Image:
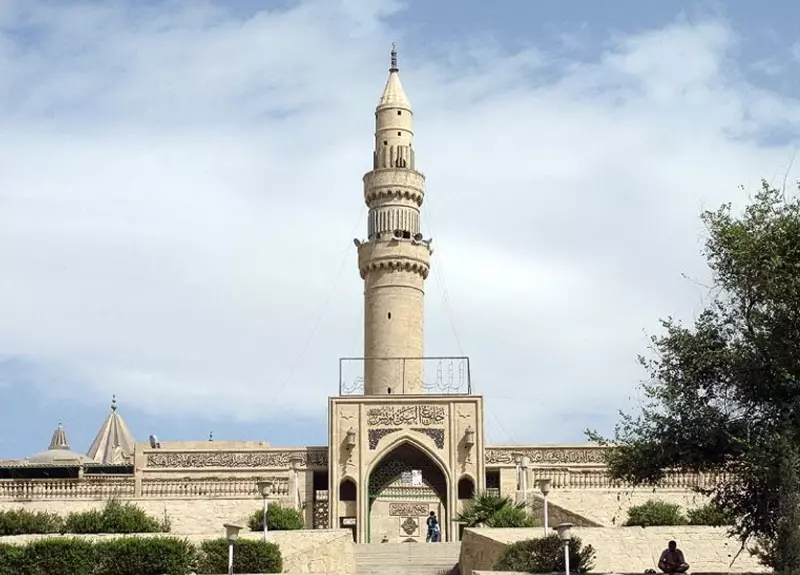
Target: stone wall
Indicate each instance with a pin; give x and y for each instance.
(317, 552)
(186, 516)
(621, 550)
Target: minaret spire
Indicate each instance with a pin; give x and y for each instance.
(395, 260)
(393, 66)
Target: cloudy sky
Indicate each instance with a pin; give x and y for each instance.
(181, 185)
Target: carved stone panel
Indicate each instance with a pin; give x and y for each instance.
(395, 415)
(410, 526)
(437, 435)
(234, 460)
(408, 509)
(548, 455)
(375, 435)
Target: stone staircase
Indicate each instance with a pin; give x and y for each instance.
(406, 558)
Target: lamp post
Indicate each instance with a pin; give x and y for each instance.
(265, 489)
(544, 487)
(231, 534)
(565, 534)
(525, 464)
(294, 462)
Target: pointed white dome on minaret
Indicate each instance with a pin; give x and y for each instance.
(114, 443)
(393, 94)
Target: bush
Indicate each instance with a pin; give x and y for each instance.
(115, 517)
(24, 522)
(58, 557)
(655, 513)
(546, 555)
(710, 515)
(10, 559)
(146, 556)
(278, 519)
(510, 516)
(249, 556)
(484, 507)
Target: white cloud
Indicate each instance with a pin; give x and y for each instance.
(181, 188)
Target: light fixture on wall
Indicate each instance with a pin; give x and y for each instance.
(469, 441)
(231, 534)
(350, 439)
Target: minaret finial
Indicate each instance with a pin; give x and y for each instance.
(394, 67)
(114, 402)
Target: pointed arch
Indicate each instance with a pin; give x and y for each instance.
(407, 439)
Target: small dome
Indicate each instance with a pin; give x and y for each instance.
(58, 452)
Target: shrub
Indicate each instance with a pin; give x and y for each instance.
(711, 515)
(10, 559)
(115, 517)
(546, 555)
(484, 506)
(146, 556)
(24, 522)
(510, 516)
(654, 513)
(58, 557)
(278, 519)
(250, 556)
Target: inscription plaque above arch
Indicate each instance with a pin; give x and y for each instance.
(406, 415)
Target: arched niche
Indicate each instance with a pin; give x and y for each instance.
(403, 487)
(466, 487)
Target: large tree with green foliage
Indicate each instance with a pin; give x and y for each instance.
(723, 395)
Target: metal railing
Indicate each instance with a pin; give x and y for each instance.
(440, 375)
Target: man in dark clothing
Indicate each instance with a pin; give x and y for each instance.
(672, 560)
(433, 528)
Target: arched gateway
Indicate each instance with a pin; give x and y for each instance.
(404, 487)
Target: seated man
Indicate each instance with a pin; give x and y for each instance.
(672, 560)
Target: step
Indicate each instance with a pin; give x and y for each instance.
(406, 558)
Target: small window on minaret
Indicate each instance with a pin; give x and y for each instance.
(389, 315)
(385, 143)
(399, 113)
(399, 133)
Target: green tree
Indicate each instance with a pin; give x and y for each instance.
(655, 513)
(723, 395)
(278, 519)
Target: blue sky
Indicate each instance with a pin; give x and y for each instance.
(182, 185)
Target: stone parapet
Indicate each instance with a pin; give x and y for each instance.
(621, 549)
(316, 552)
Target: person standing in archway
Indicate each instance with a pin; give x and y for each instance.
(434, 532)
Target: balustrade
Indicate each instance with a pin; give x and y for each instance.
(226, 487)
(44, 489)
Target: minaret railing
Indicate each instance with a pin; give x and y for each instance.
(441, 375)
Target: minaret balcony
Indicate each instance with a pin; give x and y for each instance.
(436, 375)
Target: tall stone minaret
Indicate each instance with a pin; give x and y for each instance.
(395, 260)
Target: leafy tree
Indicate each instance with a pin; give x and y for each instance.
(723, 395)
(492, 510)
(654, 513)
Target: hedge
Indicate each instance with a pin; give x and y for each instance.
(654, 513)
(546, 555)
(115, 517)
(137, 556)
(250, 556)
(278, 519)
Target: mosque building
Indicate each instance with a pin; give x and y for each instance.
(405, 436)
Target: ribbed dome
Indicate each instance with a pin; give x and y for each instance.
(58, 453)
(114, 444)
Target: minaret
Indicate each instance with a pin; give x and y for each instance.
(395, 260)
